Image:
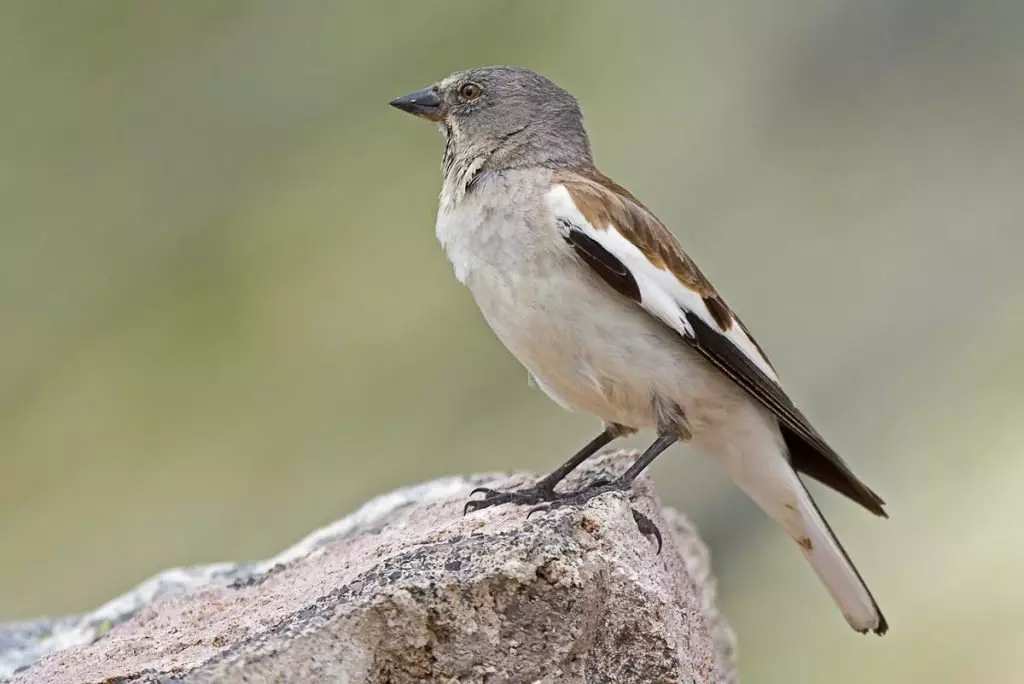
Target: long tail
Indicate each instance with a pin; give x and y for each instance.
(771, 482)
(833, 565)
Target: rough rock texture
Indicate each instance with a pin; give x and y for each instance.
(408, 590)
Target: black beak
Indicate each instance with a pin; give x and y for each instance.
(425, 103)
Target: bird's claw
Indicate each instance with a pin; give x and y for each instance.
(537, 509)
(579, 498)
(494, 497)
(545, 499)
(647, 527)
(643, 523)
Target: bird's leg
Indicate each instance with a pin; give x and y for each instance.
(620, 484)
(672, 427)
(544, 490)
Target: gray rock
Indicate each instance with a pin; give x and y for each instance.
(407, 589)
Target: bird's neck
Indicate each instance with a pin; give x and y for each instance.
(466, 162)
(460, 167)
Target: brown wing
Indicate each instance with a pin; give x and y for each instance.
(605, 204)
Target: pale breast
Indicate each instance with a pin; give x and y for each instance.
(504, 246)
(502, 224)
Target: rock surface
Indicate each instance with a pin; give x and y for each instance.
(407, 589)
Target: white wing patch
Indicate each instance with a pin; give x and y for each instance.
(661, 292)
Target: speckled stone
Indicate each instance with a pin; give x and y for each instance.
(407, 589)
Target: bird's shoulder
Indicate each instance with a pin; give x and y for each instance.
(608, 206)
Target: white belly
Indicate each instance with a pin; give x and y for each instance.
(593, 350)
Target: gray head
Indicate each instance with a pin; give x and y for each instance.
(502, 117)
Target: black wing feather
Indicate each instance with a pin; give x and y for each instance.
(809, 453)
(606, 264)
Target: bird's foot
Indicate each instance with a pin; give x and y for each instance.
(530, 496)
(581, 497)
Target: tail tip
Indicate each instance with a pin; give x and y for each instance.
(880, 628)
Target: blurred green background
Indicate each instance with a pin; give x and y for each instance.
(224, 319)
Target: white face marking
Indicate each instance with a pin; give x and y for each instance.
(662, 294)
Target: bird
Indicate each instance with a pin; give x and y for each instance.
(595, 296)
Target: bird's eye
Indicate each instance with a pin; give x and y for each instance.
(469, 91)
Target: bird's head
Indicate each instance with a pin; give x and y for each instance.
(512, 116)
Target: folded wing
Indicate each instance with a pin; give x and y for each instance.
(624, 243)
